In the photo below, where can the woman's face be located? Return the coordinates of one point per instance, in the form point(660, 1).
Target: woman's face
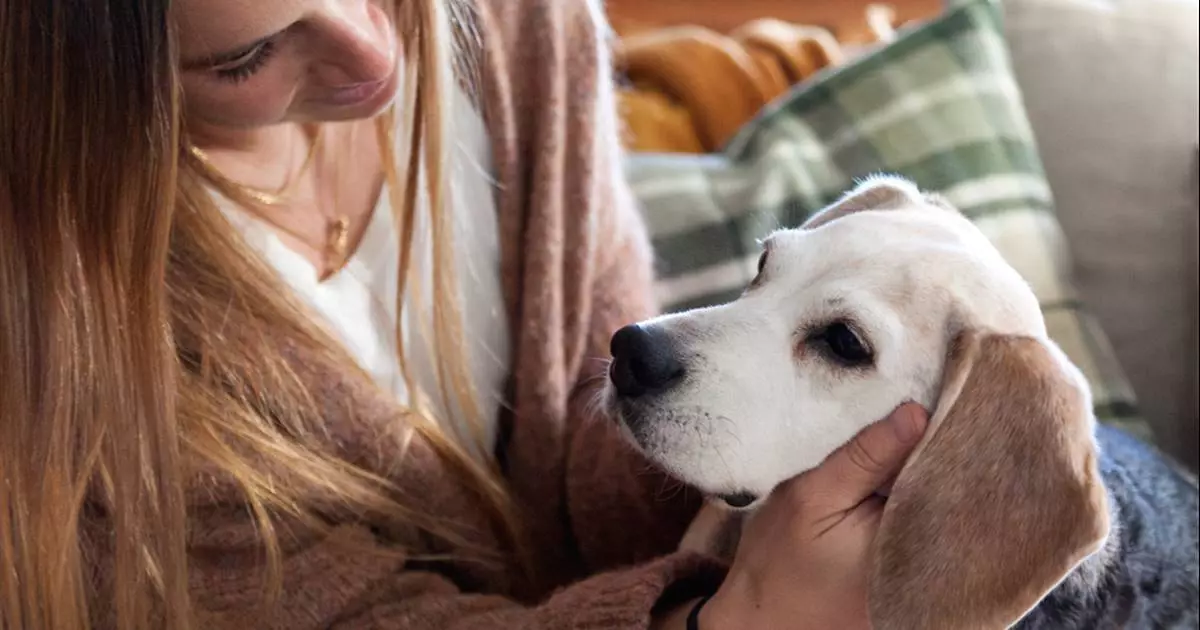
point(248, 63)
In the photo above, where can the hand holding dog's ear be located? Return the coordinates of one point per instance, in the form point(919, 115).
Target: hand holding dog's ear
point(805, 556)
point(1000, 502)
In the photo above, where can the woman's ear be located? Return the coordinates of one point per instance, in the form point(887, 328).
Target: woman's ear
point(1000, 502)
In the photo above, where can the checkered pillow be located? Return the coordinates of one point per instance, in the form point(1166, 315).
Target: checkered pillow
point(938, 106)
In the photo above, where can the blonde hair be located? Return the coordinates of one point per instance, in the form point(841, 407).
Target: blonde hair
point(118, 375)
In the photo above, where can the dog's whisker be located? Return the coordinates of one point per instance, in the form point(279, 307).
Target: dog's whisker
point(724, 462)
point(669, 489)
point(733, 434)
point(596, 406)
point(594, 378)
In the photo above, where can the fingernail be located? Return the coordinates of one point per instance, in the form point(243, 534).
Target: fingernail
point(909, 423)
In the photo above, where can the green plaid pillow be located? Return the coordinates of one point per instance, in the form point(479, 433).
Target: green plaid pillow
point(939, 106)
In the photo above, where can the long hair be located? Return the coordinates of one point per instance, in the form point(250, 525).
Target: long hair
point(118, 375)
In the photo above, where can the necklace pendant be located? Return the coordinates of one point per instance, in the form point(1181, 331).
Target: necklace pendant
point(339, 236)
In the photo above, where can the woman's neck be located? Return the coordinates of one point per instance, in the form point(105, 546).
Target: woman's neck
point(341, 183)
point(262, 157)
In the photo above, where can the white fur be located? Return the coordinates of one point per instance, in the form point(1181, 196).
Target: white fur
point(751, 411)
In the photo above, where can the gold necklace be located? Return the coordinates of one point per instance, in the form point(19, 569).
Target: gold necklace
point(336, 245)
point(266, 198)
point(337, 229)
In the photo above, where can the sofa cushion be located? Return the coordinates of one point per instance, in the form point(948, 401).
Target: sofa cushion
point(939, 106)
point(1110, 87)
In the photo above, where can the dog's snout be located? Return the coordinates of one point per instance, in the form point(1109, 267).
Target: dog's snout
point(644, 361)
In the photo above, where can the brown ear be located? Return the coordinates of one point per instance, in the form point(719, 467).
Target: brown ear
point(880, 192)
point(1001, 500)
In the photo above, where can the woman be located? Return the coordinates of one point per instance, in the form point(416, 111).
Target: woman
point(304, 303)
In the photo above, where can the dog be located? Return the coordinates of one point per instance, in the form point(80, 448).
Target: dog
point(1017, 509)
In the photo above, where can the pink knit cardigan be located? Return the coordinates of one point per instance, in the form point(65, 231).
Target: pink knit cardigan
point(576, 265)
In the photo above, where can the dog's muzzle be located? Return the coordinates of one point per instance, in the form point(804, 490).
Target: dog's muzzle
point(644, 362)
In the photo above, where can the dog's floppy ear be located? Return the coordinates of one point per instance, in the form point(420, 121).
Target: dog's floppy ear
point(878, 192)
point(1001, 500)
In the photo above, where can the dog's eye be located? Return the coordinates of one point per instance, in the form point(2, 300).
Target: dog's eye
point(844, 345)
point(762, 264)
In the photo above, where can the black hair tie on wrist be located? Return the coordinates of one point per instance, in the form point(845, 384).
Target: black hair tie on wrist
point(693, 618)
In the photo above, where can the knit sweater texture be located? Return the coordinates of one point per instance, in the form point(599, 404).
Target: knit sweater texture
point(576, 265)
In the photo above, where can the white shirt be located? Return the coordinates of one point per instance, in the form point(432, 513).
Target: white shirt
point(359, 301)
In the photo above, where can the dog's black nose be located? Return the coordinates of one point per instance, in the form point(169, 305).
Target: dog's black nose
point(643, 361)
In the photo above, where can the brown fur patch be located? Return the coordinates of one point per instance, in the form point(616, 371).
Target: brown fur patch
point(1001, 500)
point(873, 196)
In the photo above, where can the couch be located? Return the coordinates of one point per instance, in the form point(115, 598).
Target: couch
point(1110, 87)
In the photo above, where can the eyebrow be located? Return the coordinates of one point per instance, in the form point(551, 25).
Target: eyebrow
point(226, 57)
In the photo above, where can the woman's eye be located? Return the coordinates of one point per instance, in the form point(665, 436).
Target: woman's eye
point(844, 345)
point(245, 66)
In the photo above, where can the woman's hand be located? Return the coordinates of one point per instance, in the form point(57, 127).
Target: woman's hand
point(804, 557)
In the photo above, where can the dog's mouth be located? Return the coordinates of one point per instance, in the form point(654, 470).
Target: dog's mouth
point(638, 418)
point(650, 445)
point(738, 500)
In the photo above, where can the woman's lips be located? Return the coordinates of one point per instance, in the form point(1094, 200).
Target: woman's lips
point(357, 93)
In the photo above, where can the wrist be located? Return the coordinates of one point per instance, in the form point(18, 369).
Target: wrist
point(737, 604)
point(713, 614)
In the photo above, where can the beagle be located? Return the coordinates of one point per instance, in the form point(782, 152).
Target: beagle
point(1016, 510)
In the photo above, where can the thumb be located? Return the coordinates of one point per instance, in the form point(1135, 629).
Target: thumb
point(870, 460)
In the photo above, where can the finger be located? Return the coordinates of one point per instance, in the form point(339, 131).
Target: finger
point(856, 516)
point(868, 512)
point(702, 534)
point(853, 472)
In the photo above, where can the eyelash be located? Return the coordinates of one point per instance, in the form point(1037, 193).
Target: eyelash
point(762, 266)
point(254, 62)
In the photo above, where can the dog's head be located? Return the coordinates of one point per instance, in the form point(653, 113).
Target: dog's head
point(888, 296)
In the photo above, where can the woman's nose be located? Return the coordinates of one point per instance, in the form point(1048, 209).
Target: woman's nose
point(358, 44)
